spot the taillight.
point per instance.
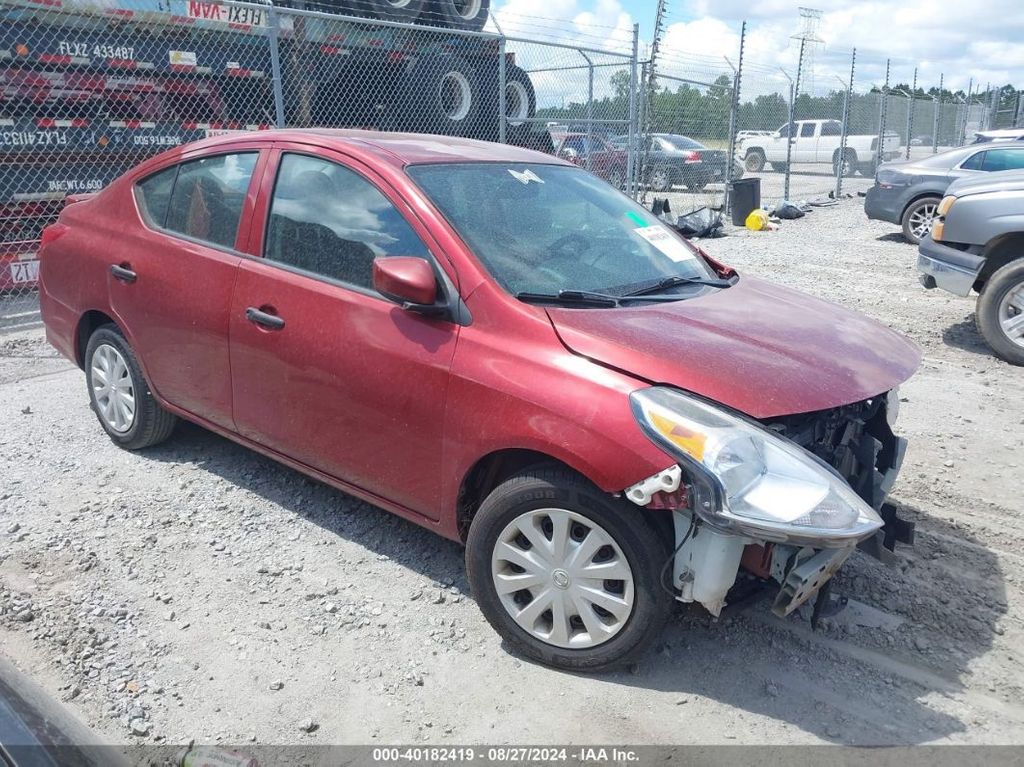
(52, 233)
(691, 156)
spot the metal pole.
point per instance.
(848, 95)
(275, 66)
(962, 138)
(789, 142)
(734, 108)
(794, 93)
(935, 117)
(502, 93)
(631, 156)
(590, 108)
(883, 109)
(910, 111)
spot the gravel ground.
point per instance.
(200, 591)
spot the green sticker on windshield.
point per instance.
(636, 218)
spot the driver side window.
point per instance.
(331, 222)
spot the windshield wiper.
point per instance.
(580, 297)
(588, 298)
(676, 279)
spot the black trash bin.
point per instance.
(744, 196)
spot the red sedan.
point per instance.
(501, 347)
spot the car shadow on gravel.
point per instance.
(965, 335)
(893, 237)
(929, 616)
(870, 675)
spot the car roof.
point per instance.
(399, 149)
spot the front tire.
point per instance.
(661, 178)
(918, 217)
(566, 574)
(1000, 312)
(120, 395)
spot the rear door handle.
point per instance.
(265, 319)
(123, 273)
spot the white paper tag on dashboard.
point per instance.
(663, 240)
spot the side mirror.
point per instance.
(408, 281)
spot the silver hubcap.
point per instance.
(1011, 314)
(659, 179)
(562, 578)
(517, 103)
(112, 388)
(921, 220)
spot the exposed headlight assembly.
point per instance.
(750, 481)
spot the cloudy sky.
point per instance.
(983, 43)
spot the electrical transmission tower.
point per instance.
(810, 40)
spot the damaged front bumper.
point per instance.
(857, 442)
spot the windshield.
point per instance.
(546, 228)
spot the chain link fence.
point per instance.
(90, 88)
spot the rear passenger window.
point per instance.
(208, 196)
(832, 128)
(807, 130)
(330, 221)
(1003, 159)
(974, 162)
(154, 195)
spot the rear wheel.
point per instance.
(918, 217)
(846, 166)
(120, 395)
(458, 14)
(660, 179)
(566, 574)
(1000, 312)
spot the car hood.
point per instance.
(759, 348)
(1001, 181)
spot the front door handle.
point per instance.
(265, 319)
(123, 273)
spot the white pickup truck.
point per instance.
(815, 141)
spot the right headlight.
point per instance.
(749, 480)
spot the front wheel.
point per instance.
(119, 394)
(1000, 312)
(918, 218)
(567, 575)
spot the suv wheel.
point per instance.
(120, 395)
(918, 218)
(566, 574)
(1000, 312)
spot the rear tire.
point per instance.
(917, 219)
(754, 161)
(590, 639)
(1000, 312)
(660, 178)
(120, 395)
(848, 165)
(440, 94)
(458, 14)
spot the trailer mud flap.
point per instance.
(805, 579)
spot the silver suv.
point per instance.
(977, 243)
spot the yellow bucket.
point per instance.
(757, 220)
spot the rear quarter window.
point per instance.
(154, 195)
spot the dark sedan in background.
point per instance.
(908, 193)
(672, 159)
